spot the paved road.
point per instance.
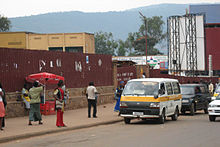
(187, 131)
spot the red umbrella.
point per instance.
(44, 78)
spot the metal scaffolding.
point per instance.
(191, 44)
(173, 26)
(186, 25)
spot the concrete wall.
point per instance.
(89, 43)
(35, 41)
(16, 107)
(15, 40)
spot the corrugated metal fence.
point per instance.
(183, 80)
(126, 73)
(77, 68)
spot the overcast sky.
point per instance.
(15, 8)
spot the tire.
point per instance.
(192, 109)
(127, 120)
(183, 112)
(162, 118)
(206, 109)
(174, 117)
(211, 118)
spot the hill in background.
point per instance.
(119, 23)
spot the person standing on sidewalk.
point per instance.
(143, 75)
(211, 88)
(26, 97)
(118, 93)
(2, 107)
(59, 96)
(91, 94)
(34, 94)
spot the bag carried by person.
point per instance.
(59, 105)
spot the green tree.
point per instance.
(155, 35)
(5, 24)
(121, 48)
(104, 43)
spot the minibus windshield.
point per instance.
(141, 88)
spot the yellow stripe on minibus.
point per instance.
(150, 99)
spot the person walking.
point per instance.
(211, 88)
(91, 94)
(2, 108)
(118, 93)
(34, 94)
(26, 97)
(143, 75)
(59, 96)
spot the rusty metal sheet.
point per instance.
(183, 80)
(126, 73)
(78, 69)
(213, 47)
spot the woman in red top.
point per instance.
(59, 95)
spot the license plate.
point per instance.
(185, 101)
(138, 113)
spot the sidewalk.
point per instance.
(17, 128)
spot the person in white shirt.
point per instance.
(211, 88)
(91, 94)
(143, 75)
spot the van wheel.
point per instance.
(175, 115)
(192, 109)
(183, 111)
(127, 120)
(162, 118)
(206, 109)
(211, 118)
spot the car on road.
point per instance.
(194, 97)
(214, 109)
(154, 98)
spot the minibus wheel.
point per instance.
(127, 120)
(162, 117)
(175, 115)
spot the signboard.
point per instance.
(153, 61)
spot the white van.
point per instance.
(156, 98)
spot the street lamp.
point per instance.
(145, 24)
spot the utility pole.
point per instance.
(145, 25)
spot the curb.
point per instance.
(35, 134)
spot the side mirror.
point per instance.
(160, 91)
(155, 96)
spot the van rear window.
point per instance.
(187, 90)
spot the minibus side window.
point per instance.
(169, 88)
(176, 88)
(162, 87)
